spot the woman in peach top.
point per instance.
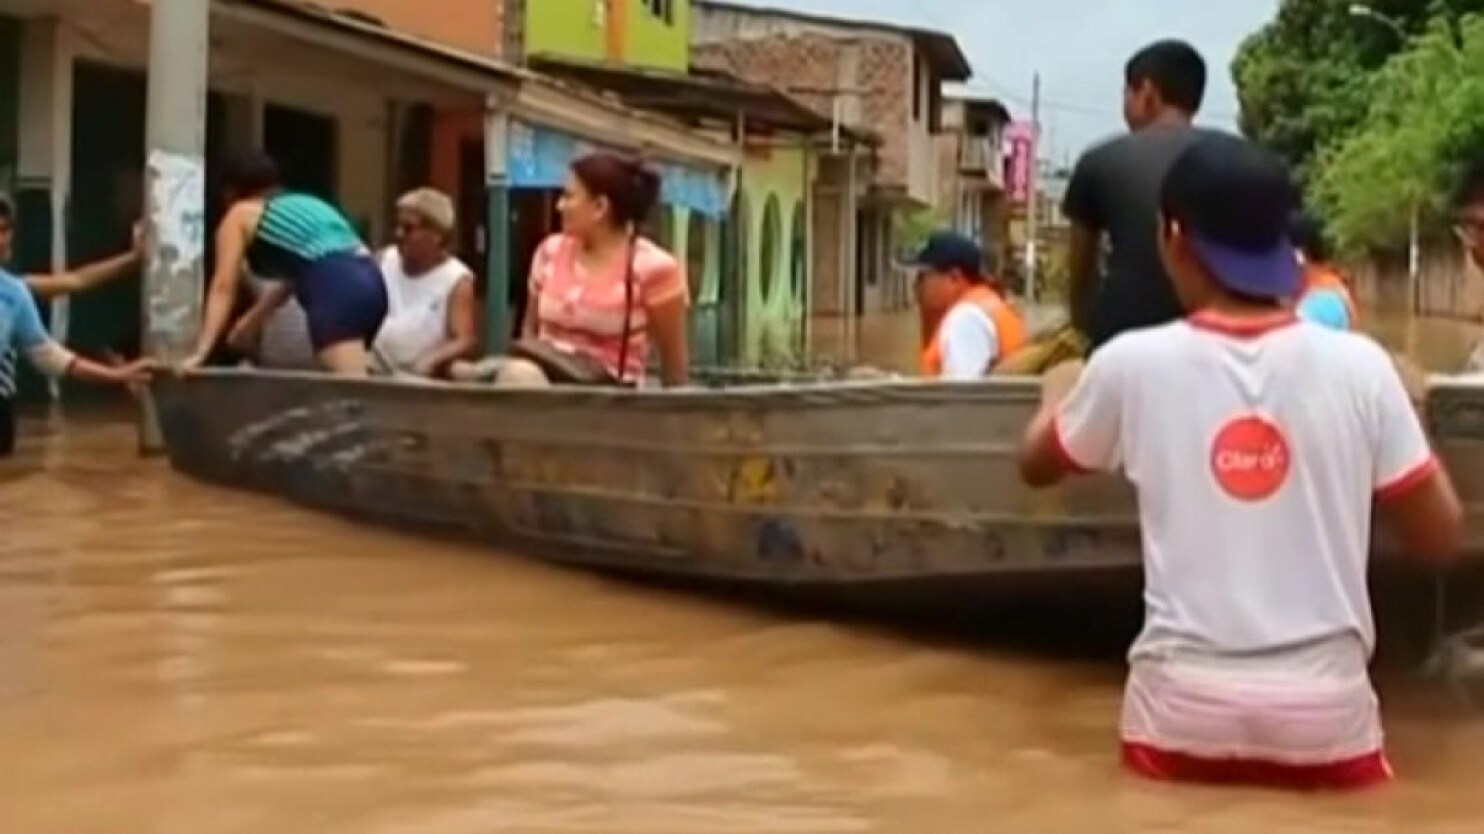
(600, 293)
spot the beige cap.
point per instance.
(431, 205)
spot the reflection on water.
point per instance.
(176, 658)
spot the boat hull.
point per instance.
(877, 492)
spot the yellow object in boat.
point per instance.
(1046, 349)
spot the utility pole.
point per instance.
(174, 189)
(1414, 256)
(1414, 231)
(1032, 198)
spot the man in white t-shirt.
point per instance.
(1258, 445)
(967, 325)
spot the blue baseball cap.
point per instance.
(1233, 200)
(946, 251)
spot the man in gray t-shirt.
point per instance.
(1114, 192)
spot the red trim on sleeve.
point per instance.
(1063, 454)
(1409, 480)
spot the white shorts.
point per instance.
(1174, 711)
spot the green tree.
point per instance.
(1426, 116)
(1306, 79)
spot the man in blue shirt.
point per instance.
(1325, 298)
(1325, 307)
(22, 331)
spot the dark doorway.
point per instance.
(472, 208)
(533, 216)
(107, 192)
(865, 271)
(305, 145)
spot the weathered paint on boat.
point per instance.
(808, 483)
(873, 486)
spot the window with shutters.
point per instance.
(662, 9)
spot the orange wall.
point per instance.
(450, 130)
(469, 24)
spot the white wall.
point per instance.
(44, 147)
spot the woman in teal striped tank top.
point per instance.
(312, 249)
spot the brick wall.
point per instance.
(873, 73)
(886, 73)
(474, 25)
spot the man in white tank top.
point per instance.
(1258, 445)
(431, 311)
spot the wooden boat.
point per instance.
(880, 491)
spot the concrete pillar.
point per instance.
(44, 153)
(175, 189)
(44, 158)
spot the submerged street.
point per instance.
(209, 660)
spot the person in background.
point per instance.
(600, 293)
(314, 251)
(968, 324)
(432, 314)
(1113, 194)
(22, 332)
(1325, 297)
(1259, 446)
(48, 286)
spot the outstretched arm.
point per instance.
(83, 278)
(1413, 491)
(1079, 424)
(53, 359)
(231, 248)
(90, 276)
(247, 329)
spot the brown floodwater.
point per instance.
(179, 658)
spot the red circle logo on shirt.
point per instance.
(1250, 458)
